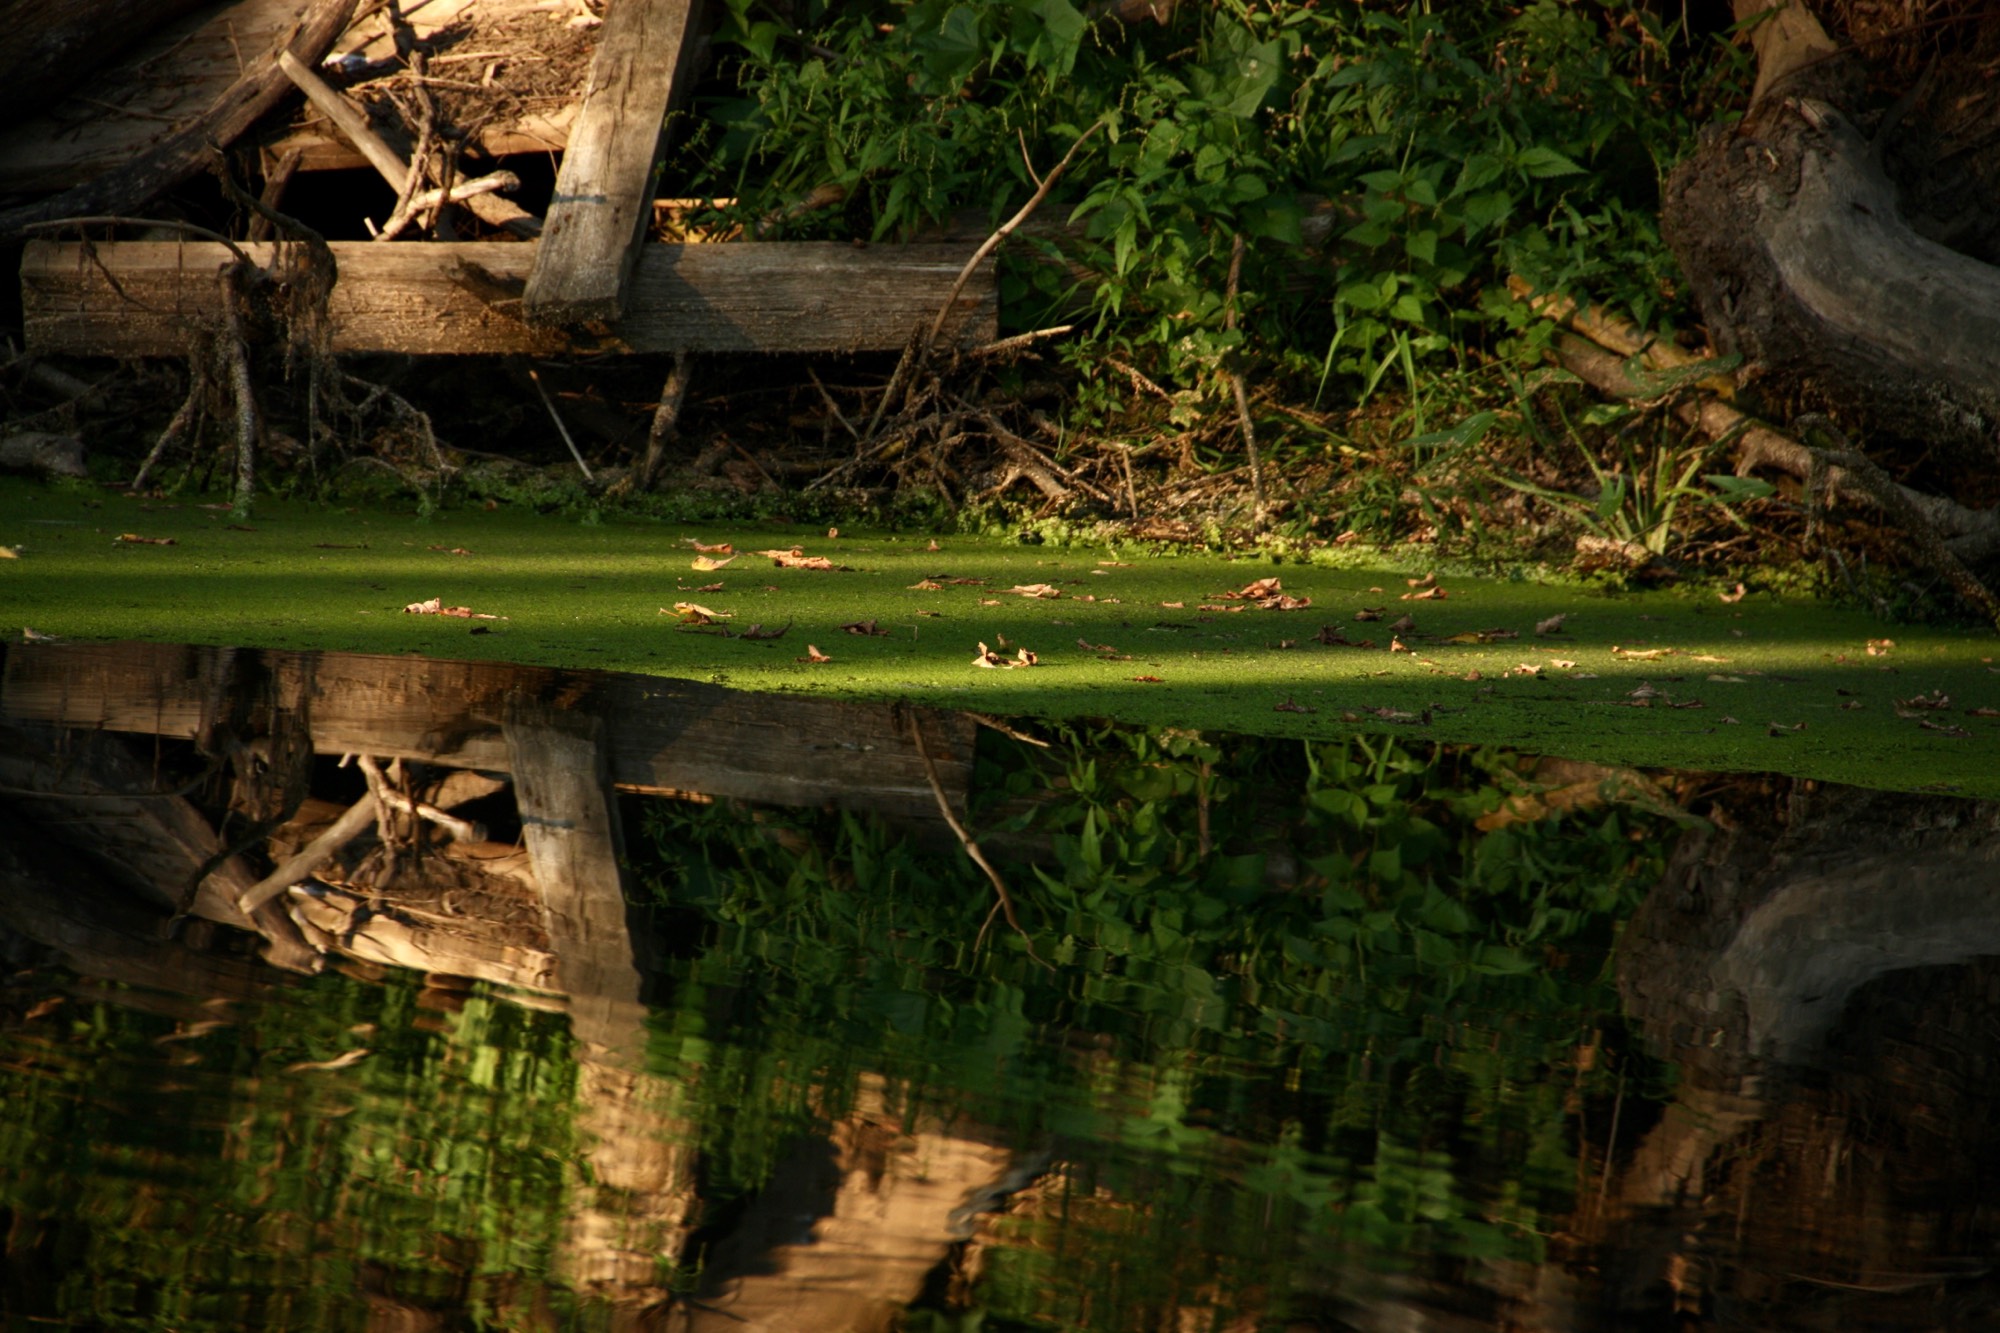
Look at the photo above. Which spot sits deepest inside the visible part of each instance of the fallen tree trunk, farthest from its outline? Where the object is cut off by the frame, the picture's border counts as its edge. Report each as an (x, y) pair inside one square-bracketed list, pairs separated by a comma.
[(1789, 231), (183, 154)]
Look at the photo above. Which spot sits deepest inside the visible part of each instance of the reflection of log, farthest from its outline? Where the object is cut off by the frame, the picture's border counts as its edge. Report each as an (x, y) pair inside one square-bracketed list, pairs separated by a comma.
[(144, 298), (87, 789), (894, 1212), (604, 194), (570, 824), (671, 736), (187, 151)]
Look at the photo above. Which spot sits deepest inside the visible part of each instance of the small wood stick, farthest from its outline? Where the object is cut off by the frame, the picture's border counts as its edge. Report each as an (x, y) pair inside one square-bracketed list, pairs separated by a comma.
[(461, 830), (556, 417), (1006, 901)]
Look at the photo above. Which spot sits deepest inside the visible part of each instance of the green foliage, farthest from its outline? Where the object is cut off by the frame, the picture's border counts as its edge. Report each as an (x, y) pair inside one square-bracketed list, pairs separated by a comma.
[(1445, 147), (1228, 917)]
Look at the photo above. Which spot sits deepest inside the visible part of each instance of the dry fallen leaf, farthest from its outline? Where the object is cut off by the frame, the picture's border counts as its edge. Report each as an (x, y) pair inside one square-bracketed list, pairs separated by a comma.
[(1947, 729), (706, 563), (1404, 625), (927, 585), (1396, 645), (1935, 699), (1173, 606), (1427, 595), (814, 655), (1640, 654), (1369, 613), (867, 627), (1148, 680), (1331, 637), (1553, 625), (435, 607), (832, 533), (1982, 712), (759, 632), (454, 550), (1427, 581), (1041, 590), (1780, 729), (694, 613), (1289, 707), (1880, 647), (1734, 596), (354, 1057), (720, 548), (1526, 669), (1562, 664), (134, 539), (1708, 657), (1850, 704)]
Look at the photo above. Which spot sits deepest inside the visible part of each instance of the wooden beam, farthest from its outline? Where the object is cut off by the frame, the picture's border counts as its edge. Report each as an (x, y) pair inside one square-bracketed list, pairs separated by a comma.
[(672, 736), (570, 823), (146, 298), (604, 191)]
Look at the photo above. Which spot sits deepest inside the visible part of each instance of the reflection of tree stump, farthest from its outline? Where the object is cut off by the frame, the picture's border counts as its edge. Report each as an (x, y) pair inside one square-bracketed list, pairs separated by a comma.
[(1752, 944)]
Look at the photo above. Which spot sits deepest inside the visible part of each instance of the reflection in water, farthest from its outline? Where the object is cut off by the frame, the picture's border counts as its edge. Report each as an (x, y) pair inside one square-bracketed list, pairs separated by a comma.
[(1310, 1036)]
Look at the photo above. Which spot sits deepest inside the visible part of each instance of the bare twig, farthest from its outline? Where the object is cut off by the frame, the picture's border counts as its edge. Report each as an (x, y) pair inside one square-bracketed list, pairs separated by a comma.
[(425, 202), (832, 406), (182, 422), (666, 419), (1236, 383), (556, 417), (351, 824), (1006, 901), (1003, 346), (236, 357), (1006, 228)]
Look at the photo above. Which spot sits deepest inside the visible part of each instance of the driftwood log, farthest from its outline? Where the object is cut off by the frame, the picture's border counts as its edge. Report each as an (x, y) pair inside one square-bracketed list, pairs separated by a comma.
[(191, 150), (1789, 229)]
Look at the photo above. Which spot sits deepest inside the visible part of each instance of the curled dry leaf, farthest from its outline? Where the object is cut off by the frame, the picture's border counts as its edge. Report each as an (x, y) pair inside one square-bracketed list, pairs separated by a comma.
[(1396, 645), (1553, 625), (1780, 729), (1148, 680), (867, 627), (1427, 581), (134, 539), (709, 587), (989, 658), (1934, 700), (1982, 712), (1426, 595), (814, 655), (435, 607), (927, 585), (1880, 647), (1562, 664), (1369, 613), (1525, 669), (694, 613), (707, 563), (1733, 596), (1041, 590), (1331, 637), (1850, 705), (720, 548), (1641, 654), (1947, 729)]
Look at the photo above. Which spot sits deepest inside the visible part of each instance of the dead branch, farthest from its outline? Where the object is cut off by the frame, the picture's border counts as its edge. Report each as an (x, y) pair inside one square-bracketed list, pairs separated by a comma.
[(235, 355), (1006, 900), (1236, 383), (666, 419)]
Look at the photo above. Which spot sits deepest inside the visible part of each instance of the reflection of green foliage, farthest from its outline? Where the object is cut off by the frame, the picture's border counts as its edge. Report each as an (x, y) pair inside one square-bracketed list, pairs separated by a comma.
[(1347, 1027), (230, 1194)]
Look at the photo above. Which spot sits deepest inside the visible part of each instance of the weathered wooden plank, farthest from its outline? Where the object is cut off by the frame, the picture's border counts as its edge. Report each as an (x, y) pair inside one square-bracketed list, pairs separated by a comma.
[(174, 75), (670, 736), (570, 823), (604, 190), (176, 156), (145, 298)]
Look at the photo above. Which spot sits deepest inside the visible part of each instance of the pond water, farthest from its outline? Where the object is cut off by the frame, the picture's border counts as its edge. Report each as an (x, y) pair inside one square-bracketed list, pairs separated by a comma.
[(1363, 1035)]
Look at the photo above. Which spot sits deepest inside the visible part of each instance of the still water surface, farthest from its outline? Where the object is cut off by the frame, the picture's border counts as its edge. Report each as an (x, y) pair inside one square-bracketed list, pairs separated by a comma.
[(1325, 1038)]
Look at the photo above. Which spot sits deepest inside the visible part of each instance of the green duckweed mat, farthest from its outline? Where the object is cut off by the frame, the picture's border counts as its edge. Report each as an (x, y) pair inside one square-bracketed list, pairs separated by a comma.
[(1677, 678)]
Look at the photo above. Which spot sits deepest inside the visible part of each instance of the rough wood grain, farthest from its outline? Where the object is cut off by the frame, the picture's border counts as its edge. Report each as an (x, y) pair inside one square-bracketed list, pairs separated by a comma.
[(181, 154), (175, 74), (672, 736), (604, 192), (144, 298)]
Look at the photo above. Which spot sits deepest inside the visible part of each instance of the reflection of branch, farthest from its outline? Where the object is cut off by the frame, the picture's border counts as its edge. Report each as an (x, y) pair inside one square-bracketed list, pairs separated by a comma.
[(461, 830), (1006, 903), (309, 858)]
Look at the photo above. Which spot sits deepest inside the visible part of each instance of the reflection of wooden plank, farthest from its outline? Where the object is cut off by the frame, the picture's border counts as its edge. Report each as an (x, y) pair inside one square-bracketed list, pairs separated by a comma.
[(604, 191), (144, 298), (570, 824), (176, 74), (669, 736)]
